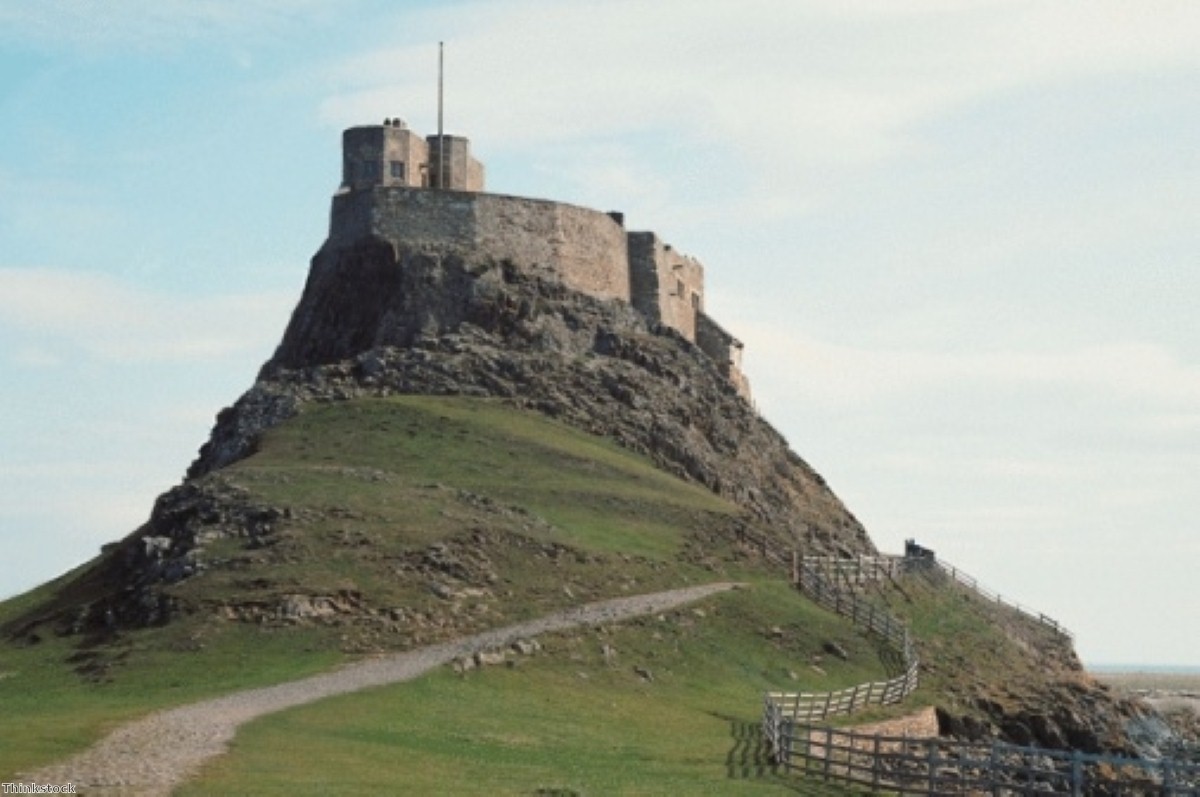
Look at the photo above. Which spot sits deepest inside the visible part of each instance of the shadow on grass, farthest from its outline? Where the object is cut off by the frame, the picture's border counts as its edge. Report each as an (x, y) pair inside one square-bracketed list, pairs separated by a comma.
[(750, 759)]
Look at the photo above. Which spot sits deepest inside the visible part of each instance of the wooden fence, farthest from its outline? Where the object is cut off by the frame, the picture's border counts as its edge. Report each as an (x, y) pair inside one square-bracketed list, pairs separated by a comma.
[(810, 706), (815, 581), (972, 584), (817, 585), (857, 572), (941, 766), (931, 766), (854, 573)]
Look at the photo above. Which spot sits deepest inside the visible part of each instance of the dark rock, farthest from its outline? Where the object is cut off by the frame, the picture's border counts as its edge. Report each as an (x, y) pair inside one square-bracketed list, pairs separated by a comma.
[(963, 727), (1047, 733), (377, 320), (1017, 732)]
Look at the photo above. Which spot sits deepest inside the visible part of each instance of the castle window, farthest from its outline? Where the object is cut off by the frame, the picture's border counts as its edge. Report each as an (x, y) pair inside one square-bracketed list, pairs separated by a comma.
[(679, 288), (369, 170), (397, 170)]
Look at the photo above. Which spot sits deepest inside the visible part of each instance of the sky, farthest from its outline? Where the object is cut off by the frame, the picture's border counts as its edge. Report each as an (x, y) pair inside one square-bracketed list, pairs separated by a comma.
[(958, 238)]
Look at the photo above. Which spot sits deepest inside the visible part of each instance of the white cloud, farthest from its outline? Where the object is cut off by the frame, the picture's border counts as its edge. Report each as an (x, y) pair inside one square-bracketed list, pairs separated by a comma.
[(63, 312), (846, 375), (157, 25), (785, 86)]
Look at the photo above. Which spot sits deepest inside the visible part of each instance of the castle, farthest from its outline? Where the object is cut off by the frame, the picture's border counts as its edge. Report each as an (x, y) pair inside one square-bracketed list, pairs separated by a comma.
[(428, 193)]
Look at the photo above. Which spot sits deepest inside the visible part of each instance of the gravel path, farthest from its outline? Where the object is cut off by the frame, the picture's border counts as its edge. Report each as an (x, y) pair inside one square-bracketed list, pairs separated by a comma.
[(153, 755)]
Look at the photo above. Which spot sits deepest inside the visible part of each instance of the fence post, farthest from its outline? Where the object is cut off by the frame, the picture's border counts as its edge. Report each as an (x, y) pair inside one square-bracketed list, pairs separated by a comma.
[(1076, 775), (795, 567), (993, 775), (808, 747), (875, 767), (788, 731), (828, 750), (933, 758)]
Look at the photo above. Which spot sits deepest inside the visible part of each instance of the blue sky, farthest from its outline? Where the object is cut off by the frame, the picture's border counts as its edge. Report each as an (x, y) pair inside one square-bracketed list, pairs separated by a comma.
[(958, 238)]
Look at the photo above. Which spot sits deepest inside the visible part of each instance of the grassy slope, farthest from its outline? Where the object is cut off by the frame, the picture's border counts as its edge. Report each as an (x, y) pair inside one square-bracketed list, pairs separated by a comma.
[(370, 482), (566, 721), (969, 646), (50, 711), (559, 518)]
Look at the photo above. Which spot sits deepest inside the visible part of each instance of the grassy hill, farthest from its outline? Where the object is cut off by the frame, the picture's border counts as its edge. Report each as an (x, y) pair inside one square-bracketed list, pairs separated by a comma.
[(404, 521), (391, 523)]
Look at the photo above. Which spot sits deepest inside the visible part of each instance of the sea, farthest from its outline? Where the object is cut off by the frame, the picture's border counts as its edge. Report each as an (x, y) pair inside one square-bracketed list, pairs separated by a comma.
[(1156, 669)]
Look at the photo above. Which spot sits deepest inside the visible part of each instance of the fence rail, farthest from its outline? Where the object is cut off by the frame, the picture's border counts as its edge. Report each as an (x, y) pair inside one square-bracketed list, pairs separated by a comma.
[(940, 766), (931, 766), (854, 573), (973, 584), (819, 579)]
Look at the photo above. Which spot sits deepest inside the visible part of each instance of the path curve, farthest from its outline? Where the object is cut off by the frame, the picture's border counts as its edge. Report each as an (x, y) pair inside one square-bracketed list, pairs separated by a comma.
[(151, 756)]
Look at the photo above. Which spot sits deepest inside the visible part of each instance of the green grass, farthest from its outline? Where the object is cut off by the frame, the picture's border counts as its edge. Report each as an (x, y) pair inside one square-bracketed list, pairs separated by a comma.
[(566, 721), (371, 483), (554, 517), (379, 457), (368, 483), (50, 711)]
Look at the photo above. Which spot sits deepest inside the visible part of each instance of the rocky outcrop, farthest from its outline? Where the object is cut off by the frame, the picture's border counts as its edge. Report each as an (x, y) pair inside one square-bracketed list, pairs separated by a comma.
[(378, 321), (123, 587)]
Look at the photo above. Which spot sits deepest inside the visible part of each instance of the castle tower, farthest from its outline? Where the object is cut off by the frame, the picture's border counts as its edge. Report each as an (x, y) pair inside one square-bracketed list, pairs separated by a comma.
[(463, 173), (392, 156), (388, 193), (388, 155)]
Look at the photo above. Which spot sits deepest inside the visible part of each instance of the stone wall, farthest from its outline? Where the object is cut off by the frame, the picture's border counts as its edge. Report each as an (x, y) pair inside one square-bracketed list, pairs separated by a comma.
[(588, 251), (390, 155), (585, 248), (463, 172), (666, 286), (724, 349)]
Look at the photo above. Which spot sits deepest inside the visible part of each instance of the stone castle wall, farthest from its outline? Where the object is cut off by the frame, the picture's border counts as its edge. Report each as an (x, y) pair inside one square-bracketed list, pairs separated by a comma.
[(666, 286), (724, 349), (585, 248)]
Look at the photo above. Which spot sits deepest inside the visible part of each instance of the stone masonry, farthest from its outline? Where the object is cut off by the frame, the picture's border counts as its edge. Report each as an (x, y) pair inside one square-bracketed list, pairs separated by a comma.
[(388, 172), (392, 155)]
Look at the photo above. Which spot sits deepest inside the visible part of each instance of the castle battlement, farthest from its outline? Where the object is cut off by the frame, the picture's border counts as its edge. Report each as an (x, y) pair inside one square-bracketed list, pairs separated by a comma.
[(386, 194)]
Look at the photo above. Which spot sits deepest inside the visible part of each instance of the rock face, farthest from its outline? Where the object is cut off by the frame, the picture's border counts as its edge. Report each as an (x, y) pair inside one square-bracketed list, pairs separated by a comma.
[(124, 587), (377, 320)]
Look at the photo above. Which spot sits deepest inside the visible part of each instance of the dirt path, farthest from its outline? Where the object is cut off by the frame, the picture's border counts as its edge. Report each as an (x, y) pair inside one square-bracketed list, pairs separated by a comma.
[(153, 755)]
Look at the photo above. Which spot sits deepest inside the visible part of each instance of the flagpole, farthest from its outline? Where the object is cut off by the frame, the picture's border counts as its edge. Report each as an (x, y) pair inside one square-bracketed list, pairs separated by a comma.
[(441, 134)]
